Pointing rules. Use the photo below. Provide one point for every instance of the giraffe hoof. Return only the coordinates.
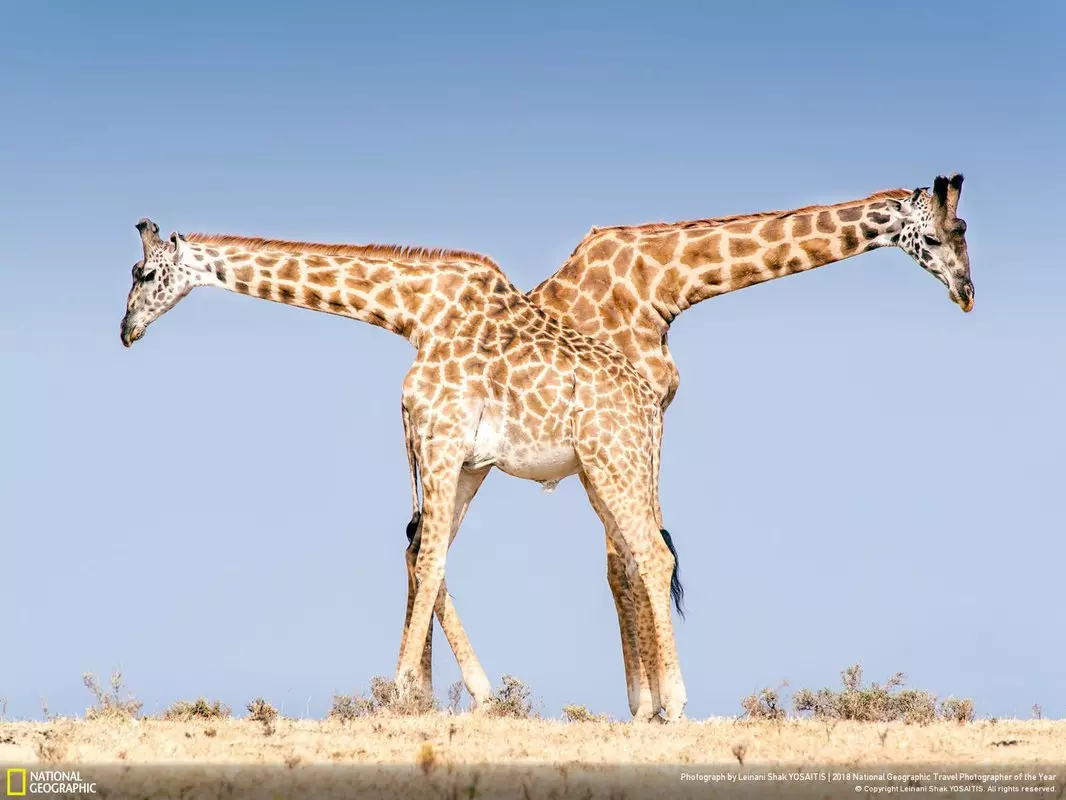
(674, 715)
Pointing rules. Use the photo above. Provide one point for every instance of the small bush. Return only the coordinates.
(575, 713)
(957, 710)
(347, 707)
(876, 703)
(259, 710)
(510, 700)
(766, 705)
(110, 705)
(385, 697)
(184, 711)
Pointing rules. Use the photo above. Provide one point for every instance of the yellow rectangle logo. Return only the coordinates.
(11, 792)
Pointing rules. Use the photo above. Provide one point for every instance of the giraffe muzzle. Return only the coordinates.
(963, 296)
(130, 333)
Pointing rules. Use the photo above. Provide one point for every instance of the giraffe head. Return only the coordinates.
(935, 237)
(160, 280)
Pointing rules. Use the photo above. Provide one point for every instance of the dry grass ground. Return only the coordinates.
(474, 739)
(382, 745)
(467, 756)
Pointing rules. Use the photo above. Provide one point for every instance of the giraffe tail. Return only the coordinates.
(412, 529)
(413, 539)
(677, 591)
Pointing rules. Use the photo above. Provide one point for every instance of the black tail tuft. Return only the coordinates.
(677, 591)
(412, 529)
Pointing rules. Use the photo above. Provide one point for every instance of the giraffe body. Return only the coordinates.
(625, 285)
(496, 382)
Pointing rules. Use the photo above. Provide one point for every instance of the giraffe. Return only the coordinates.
(496, 382)
(626, 284)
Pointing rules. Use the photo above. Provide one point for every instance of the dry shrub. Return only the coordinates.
(876, 703)
(510, 700)
(766, 705)
(576, 713)
(385, 696)
(259, 710)
(110, 705)
(202, 709)
(347, 707)
(385, 699)
(957, 710)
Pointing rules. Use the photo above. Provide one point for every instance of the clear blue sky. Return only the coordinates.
(854, 470)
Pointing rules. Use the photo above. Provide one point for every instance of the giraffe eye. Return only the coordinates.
(932, 241)
(148, 275)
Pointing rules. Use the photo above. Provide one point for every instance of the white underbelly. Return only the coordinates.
(546, 466)
(544, 462)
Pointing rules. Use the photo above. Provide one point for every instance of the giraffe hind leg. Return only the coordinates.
(424, 675)
(474, 677)
(638, 684)
(650, 566)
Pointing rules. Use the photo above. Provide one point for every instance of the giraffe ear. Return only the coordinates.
(180, 248)
(149, 234)
(915, 195)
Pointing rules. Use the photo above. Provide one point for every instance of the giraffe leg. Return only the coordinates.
(627, 491)
(637, 682)
(424, 675)
(474, 677)
(440, 484)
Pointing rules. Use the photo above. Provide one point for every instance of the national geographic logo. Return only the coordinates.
(20, 782)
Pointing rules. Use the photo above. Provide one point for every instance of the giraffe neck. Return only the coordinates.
(414, 293)
(736, 255)
(626, 285)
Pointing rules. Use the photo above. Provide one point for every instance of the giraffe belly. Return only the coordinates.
(548, 465)
(545, 462)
